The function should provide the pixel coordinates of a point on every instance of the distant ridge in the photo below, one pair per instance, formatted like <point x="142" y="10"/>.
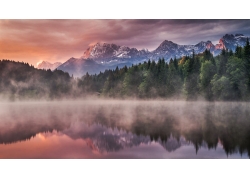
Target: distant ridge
<point x="47" y="65"/>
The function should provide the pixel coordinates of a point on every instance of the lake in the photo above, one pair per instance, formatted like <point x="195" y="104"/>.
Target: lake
<point x="124" y="129"/>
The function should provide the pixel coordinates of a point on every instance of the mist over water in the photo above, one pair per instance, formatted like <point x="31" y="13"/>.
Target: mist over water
<point x="124" y="129"/>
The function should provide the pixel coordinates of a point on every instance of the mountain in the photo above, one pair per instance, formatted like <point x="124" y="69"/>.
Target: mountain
<point x="80" y="66"/>
<point x="102" y="56"/>
<point x="47" y="65"/>
<point x="231" y="41"/>
<point x="168" y="49"/>
<point x="103" y="52"/>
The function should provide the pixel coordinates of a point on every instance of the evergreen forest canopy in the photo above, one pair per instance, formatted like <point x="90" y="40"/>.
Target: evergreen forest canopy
<point x="225" y="77"/>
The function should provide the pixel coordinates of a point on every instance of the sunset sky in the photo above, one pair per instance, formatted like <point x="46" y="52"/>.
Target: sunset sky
<point x="33" y="41"/>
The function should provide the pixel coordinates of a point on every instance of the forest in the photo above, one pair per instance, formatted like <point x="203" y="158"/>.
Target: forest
<point x="225" y="77"/>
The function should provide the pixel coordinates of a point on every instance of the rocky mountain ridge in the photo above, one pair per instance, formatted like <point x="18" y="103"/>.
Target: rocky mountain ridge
<point x="102" y="56"/>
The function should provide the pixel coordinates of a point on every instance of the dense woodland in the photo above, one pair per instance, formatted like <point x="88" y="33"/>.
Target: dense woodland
<point x="19" y="80"/>
<point x="225" y="77"/>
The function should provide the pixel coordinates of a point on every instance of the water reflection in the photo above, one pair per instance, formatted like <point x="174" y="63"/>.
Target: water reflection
<point x="125" y="129"/>
<point x="103" y="139"/>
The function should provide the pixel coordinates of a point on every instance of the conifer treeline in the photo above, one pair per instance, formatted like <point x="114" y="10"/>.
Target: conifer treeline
<point x="19" y="80"/>
<point x="225" y="77"/>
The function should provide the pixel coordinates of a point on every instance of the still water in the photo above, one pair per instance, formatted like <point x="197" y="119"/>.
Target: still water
<point x="124" y="129"/>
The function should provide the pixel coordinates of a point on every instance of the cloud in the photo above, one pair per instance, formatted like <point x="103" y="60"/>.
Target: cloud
<point x="58" y="40"/>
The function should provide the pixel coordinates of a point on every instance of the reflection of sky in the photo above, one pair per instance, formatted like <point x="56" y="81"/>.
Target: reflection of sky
<point x="59" y="145"/>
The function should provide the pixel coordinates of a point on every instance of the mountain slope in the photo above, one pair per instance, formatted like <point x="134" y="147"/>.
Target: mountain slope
<point x="80" y="66"/>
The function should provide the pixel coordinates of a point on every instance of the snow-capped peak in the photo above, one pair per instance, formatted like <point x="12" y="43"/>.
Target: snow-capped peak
<point x="48" y="65"/>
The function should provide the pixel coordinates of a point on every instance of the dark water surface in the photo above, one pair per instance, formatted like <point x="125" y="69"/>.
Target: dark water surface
<point x="124" y="129"/>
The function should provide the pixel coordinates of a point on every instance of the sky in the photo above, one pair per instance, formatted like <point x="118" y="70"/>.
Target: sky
<point x="37" y="40"/>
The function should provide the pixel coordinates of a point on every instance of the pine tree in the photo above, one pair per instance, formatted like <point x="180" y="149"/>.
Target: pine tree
<point x="238" y="51"/>
<point x="175" y="63"/>
<point x="223" y="61"/>
<point x="247" y="62"/>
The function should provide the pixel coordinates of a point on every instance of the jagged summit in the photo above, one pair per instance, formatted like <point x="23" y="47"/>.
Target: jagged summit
<point x="230" y="41"/>
<point x="167" y="44"/>
<point x="100" y="50"/>
<point x="103" y="52"/>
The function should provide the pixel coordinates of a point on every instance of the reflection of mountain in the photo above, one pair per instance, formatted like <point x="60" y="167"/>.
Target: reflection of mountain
<point x="172" y="143"/>
<point x="105" y="139"/>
